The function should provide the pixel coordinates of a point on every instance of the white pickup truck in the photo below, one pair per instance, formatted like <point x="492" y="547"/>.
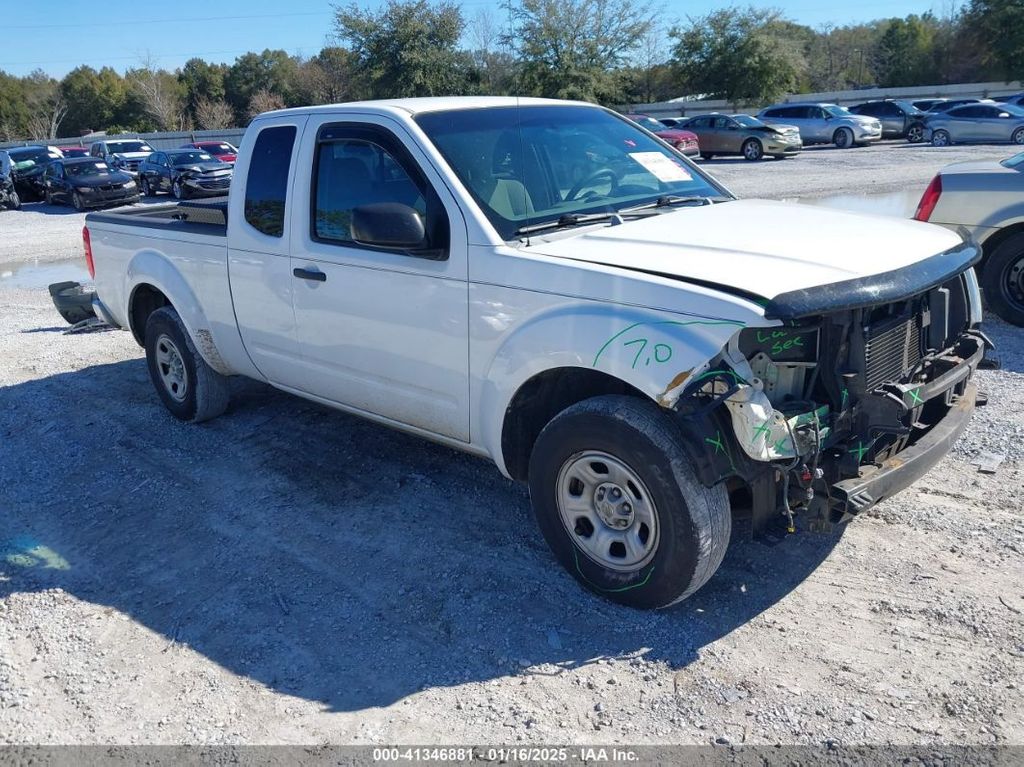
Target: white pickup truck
<point x="549" y="286"/>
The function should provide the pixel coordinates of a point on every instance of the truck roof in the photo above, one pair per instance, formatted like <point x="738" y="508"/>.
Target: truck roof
<point x="414" y="106"/>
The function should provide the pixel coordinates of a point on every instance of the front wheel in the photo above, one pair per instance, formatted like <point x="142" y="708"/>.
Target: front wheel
<point x="178" y="190"/>
<point x="752" y="149"/>
<point x="145" y="188"/>
<point x="620" y="505"/>
<point x="188" y="387"/>
<point x="941" y="138"/>
<point x="14" y="200"/>
<point x="706" y="156"/>
<point x="843" y="138"/>
<point x="76" y="201"/>
<point x="1002" y="279"/>
<point x="1018" y="136"/>
<point x="915" y="133"/>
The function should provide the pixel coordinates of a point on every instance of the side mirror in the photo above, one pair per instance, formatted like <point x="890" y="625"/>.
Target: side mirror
<point x="388" y="225"/>
<point x="1004" y="114"/>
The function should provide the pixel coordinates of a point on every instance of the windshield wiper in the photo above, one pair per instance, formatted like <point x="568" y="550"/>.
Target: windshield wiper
<point x="668" y="201"/>
<point x="571" y="219"/>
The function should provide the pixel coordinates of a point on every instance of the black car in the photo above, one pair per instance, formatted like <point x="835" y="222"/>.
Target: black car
<point x="184" y="173"/>
<point x="87" y="182"/>
<point x="28" y="164"/>
<point x="900" y="119"/>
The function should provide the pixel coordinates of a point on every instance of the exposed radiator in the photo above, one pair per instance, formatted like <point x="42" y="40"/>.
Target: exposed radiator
<point x="891" y="353"/>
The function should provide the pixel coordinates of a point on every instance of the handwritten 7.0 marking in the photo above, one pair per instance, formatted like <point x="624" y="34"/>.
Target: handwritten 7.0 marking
<point x="660" y="353"/>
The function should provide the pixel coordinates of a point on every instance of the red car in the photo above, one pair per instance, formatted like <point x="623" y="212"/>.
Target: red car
<point x="222" y="150"/>
<point x="71" y="152"/>
<point x="683" y="140"/>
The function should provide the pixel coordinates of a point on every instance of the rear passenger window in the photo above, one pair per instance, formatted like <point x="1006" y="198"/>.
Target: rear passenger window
<point x="266" y="186"/>
<point x="355" y="172"/>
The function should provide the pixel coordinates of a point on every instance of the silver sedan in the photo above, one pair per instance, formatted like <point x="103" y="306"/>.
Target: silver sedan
<point x="976" y="123"/>
<point x="986" y="199"/>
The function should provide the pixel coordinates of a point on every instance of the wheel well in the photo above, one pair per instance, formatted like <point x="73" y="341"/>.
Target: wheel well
<point x="145" y="300"/>
<point x="542" y="398"/>
<point x="988" y="247"/>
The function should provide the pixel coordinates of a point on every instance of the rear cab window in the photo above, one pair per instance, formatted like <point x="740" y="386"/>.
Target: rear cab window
<point x="266" y="186"/>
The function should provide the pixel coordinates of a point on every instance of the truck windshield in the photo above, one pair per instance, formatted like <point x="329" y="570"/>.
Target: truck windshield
<point x="532" y="165"/>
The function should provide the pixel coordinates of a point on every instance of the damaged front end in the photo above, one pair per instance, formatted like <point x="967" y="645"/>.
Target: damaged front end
<point x="839" y="407"/>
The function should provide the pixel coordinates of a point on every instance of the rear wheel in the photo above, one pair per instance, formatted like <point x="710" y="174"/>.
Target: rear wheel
<point x="1018" y="136"/>
<point x="941" y="138"/>
<point x="752" y="149"/>
<point x="915" y="133"/>
<point x="76" y="201"/>
<point x="620" y="505"/>
<point x="1002" y="278"/>
<point x="843" y="138"/>
<point x="188" y="387"/>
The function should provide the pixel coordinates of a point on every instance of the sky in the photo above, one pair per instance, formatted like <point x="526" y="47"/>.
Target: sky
<point x="58" y="35"/>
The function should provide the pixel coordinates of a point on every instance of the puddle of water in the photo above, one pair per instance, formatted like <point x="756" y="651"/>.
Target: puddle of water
<point x="901" y="204"/>
<point x="36" y="274"/>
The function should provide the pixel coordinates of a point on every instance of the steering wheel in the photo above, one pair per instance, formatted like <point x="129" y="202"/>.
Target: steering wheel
<point x="590" y="180"/>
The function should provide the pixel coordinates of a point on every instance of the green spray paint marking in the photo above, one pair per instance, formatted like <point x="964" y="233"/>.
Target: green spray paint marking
<point x="846" y="395"/>
<point x="762" y="428"/>
<point x="619" y="590"/>
<point x="662" y="353"/>
<point x="717" y="442"/>
<point x="861" y="449"/>
<point x="915" y="397"/>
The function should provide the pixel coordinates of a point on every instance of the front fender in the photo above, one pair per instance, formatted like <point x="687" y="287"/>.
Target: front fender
<point x="150" y="267"/>
<point x="654" y="352"/>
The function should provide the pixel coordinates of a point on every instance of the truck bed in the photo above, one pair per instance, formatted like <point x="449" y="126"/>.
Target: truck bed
<point x="208" y="217"/>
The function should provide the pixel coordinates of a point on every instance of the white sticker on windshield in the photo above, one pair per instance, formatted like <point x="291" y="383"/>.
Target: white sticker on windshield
<point x="661" y="167"/>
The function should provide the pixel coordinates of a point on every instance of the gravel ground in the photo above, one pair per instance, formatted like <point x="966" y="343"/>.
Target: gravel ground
<point x="164" y="583"/>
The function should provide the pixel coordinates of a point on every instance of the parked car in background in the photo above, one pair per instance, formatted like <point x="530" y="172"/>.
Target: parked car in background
<point x="671" y="122"/>
<point x="184" y="173"/>
<point x="900" y="119"/>
<point x="946" y="104"/>
<point x="822" y="123"/>
<point x="1016" y="99"/>
<point x="123" y="154"/>
<point x="222" y="150"/>
<point x="70" y="152"/>
<point x="925" y="104"/>
<point x="987" y="198"/>
<point x="719" y="134"/>
<point x="976" y="123"/>
<point x="683" y="140"/>
<point x="87" y="182"/>
<point x="27" y="166"/>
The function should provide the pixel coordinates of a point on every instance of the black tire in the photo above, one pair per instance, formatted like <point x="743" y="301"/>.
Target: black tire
<point x="1002" y="279"/>
<point x="179" y="191"/>
<point x="48" y="197"/>
<point x="752" y="150"/>
<point x="14" y="201"/>
<point x="1018" y="136"/>
<point x="843" y="138"/>
<point x="693" y="522"/>
<point x="941" y="138"/>
<point x="206" y="394"/>
<point x="706" y="156"/>
<point x="915" y="133"/>
<point x="76" y="201"/>
<point x="145" y="187"/>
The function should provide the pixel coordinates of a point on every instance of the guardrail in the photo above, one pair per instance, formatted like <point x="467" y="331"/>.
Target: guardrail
<point x="164" y="140"/>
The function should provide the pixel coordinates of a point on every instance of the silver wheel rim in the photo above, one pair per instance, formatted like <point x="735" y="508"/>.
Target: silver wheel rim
<point x="607" y="511"/>
<point x="843" y="139"/>
<point x="915" y="134"/>
<point x="171" y="368"/>
<point x="1018" y="137"/>
<point x="752" y="151"/>
<point x="939" y="139"/>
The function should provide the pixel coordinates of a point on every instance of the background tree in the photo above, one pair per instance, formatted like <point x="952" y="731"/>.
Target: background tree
<point x="46" y="106"/>
<point x="13" y="108"/>
<point x="264" y="101"/>
<point x="203" y="83"/>
<point x="903" y="54"/>
<point x="161" y="96"/>
<point x="496" y="67"/>
<point x="996" y="27"/>
<point x="212" y="115"/>
<point x="327" y="78"/>
<point x="406" y="48"/>
<point x="739" y="55"/>
<point x="577" y="49"/>
<point x="272" y="71"/>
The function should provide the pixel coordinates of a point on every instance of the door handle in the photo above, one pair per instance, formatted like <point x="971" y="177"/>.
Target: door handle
<point x="310" y="274"/>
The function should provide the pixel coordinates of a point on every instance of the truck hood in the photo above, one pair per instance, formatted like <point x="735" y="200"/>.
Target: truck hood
<point x="769" y="249"/>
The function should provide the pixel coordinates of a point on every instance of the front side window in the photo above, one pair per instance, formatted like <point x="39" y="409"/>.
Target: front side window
<point x="355" y="172"/>
<point x="538" y="164"/>
<point x="266" y="186"/>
